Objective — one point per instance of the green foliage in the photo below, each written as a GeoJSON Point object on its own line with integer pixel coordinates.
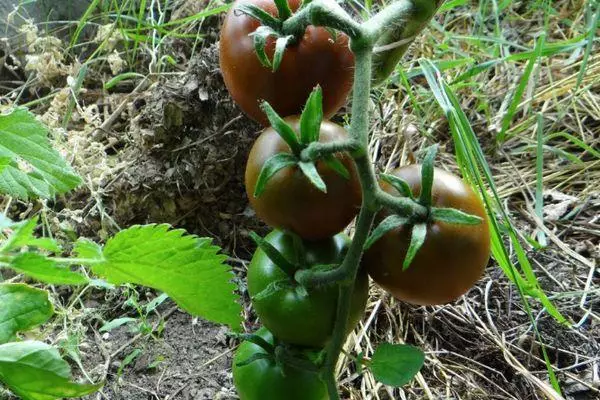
{"type": "Point", "coordinates": [23, 308]}
{"type": "Point", "coordinates": [29, 166]}
{"type": "Point", "coordinates": [396, 364]}
{"type": "Point", "coordinates": [35, 371]}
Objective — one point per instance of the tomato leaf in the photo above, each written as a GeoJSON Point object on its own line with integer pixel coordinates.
{"type": "Point", "coordinates": [427, 176]}
{"type": "Point", "coordinates": [312, 115]}
{"type": "Point", "coordinates": [270, 168]}
{"type": "Point", "coordinates": [35, 371]}
{"type": "Point", "coordinates": [260, 36]}
{"type": "Point", "coordinates": [417, 238]}
{"type": "Point", "coordinates": [275, 255]}
{"type": "Point", "coordinates": [22, 235]}
{"type": "Point", "coordinates": [399, 184]}
{"type": "Point", "coordinates": [259, 14]}
{"type": "Point", "coordinates": [396, 364]}
{"type": "Point", "coordinates": [45, 270]}
{"type": "Point", "coordinates": [189, 269]}
{"type": "Point", "coordinates": [280, 46]}
{"type": "Point", "coordinates": [23, 308]}
{"type": "Point", "coordinates": [310, 171]}
{"type": "Point", "coordinates": [390, 223]}
{"type": "Point", "coordinates": [454, 216]}
{"type": "Point", "coordinates": [29, 166]}
{"type": "Point", "coordinates": [282, 128]}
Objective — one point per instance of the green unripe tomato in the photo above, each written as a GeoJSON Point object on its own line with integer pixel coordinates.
{"type": "Point", "coordinates": [296, 315]}
{"type": "Point", "coordinates": [264, 380]}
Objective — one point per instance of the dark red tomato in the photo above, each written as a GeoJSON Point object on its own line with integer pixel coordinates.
{"type": "Point", "coordinates": [265, 380]}
{"type": "Point", "coordinates": [293, 314]}
{"type": "Point", "coordinates": [452, 258]}
{"type": "Point", "coordinates": [315, 59]}
{"type": "Point", "coordinates": [290, 201]}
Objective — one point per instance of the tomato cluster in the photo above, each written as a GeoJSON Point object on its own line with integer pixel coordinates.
{"type": "Point", "coordinates": [308, 202]}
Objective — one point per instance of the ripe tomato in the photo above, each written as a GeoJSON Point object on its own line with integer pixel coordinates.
{"type": "Point", "coordinates": [293, 314]}
{"type": "Point", "coordinates": [452, 258]}
{"type": "Point", "coordinates": [264, 380]}
{"type": "Point", "coordinates": [290, 201]}
{"type": "Point", "coordinates": [315, 59]}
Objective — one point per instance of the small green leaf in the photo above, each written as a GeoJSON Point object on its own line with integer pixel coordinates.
{"type": "Point", "coordinates": [454, 216]}
{"type": "Point", "coordinates": [35, 168]}
{"type": "Point", "coordinates": [399, 184]}
{"type": "Point", "coordinates": [259, 14]}
{"type": "Point", "coordinates": [128, 360]}
{"type": "Point", "coordinates": [270, 168]}
{"type": "Point", "coordinates": [282, 128]}
{"type": "Point", "coordinates": [396, 364]}
{"type": "Point", "coordinates": [260, 36]}
{"type": "Point", "coordinates": [310, 171]}
{"type": "Point", "coordinates": [335, 164]}
{"type": "Point", "coordinates": [23, 308]}
{"type": "Point", "coordinates": [189, 269]}
{"type": "Point", "coordinates": [427, 176]}
{"type": "Point", "coordinates": [312, 116]}
{"type": "Point", "coordinates": [417, 238]}
{"type": "Point", "coordinates": [115, 323]}
{"type": "Point", "coordinates": [274, 255]}
{"type": "Point", "coordinates": [390, 223]}
{"type": "Point", "coordinates": [280, 46]}
{"type": "Point", "coordinates": [22, 236]}
{"type": "Point", "coordinates": [45, 270]}
{"type": "Point", "coordinates": [35, 371]}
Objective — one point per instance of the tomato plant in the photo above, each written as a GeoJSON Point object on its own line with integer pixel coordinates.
{"type": "Point", "coordinates": [452, 257]}
{"type": "Point", "coordinates": [264, 379]}
{"type": "Point", "coordinates": [314, 58]}
{"type": "Point", "coordinates": [290, 201]}
{"type": "Point", "coordinates": [294, 314]}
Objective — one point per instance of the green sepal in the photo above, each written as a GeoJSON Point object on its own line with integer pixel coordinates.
{"type": "Point", "coordinates": [270, 168]}
{"type": "Point", "coordinates": [280, 46]}
{"type": "Point", "coordinates": [388, 224]}
{"type": "Point", "coordinates": [272, 288]}
{"type": "Point", "coordinates": [282, 128]}
{"type": "Point", "coordinates": [259, 14]}
{"type": "Point", "coordinates": [427, 176]}
{"type": "Point", "coordinates": [283, 9]}
{"type": "Point", "coordinates": [399, 184]}
{"type": "Point", "coordinates": [417, 238]}
{"type": "Point", "coordinates": [312, 116]}
{"type": "Point", "coordinates": [454, 216]}
{"type": "Point", "coordinates": [275, 255]}
{"type": "Point", "coordinates": [260, 36]}
{"type": "Point", "coordinates": [335, 164]}
{"type": "Point", "coordinates": [255, 357]}
{"type": "Point", "coordinates": [310, 171]}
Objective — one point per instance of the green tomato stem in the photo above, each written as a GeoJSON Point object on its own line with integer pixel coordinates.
{"type": "Point", "coordinates": [318, 150]}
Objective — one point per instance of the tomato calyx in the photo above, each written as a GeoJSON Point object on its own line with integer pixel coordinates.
{"type": "Point", "coordinates": [310, 126]}
{"type": "Point", "coordinates": [418, 223]}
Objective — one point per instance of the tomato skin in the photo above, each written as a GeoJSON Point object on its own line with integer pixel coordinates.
{"type": "Point", "coordinates": [316, 59]}
{"type": "Point", "coordinates": [290, 201]}
{"type": "Point", "coordinates": [452, 258]}
{"type": "Point", "coordinates": [292, 316]}
{"type": "Point", "coordinates": [264, 380]}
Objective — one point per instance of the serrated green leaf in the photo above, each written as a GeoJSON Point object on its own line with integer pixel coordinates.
{"type": "Point", "coordinates": [23, 308]}
{"type": "Point", "coordinates": [270, 168]}
{"type": "Point", "coordinates": [22, 236]}
{"type": "Point", "coordinates": [280, 46]}
{"type": "Point", "coordinates": [189, 269]}
{"type": "Point", "coordinates": [312, 116]}
{"type": "Point", "coordinates": [282, 128]}
{"type": "Point", "coordinates": [335, 164]}
{"type": "Point", "coordinates": [388, 224]}
{"type": "Point", "coordinates": [396, 364]}
{"type": "Point", "coordinates": [454, 216]}
{"type": "Point", "coordinates": [45, 270]}
{"type": "Point", "coordinates": [87, 249]}
{"type": "Point", "coordinates": [35, 371]}
{"type": "Point", "coordinates": [427, 176]}
{"type": "Point", "coordinates": [399, 184]}
{"type": "Point", "coordinates": [35, 168]}
{"type": "Point", "coordinates": [417, 238]}
{"type": "Point", "coordinates": [310, 171]}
